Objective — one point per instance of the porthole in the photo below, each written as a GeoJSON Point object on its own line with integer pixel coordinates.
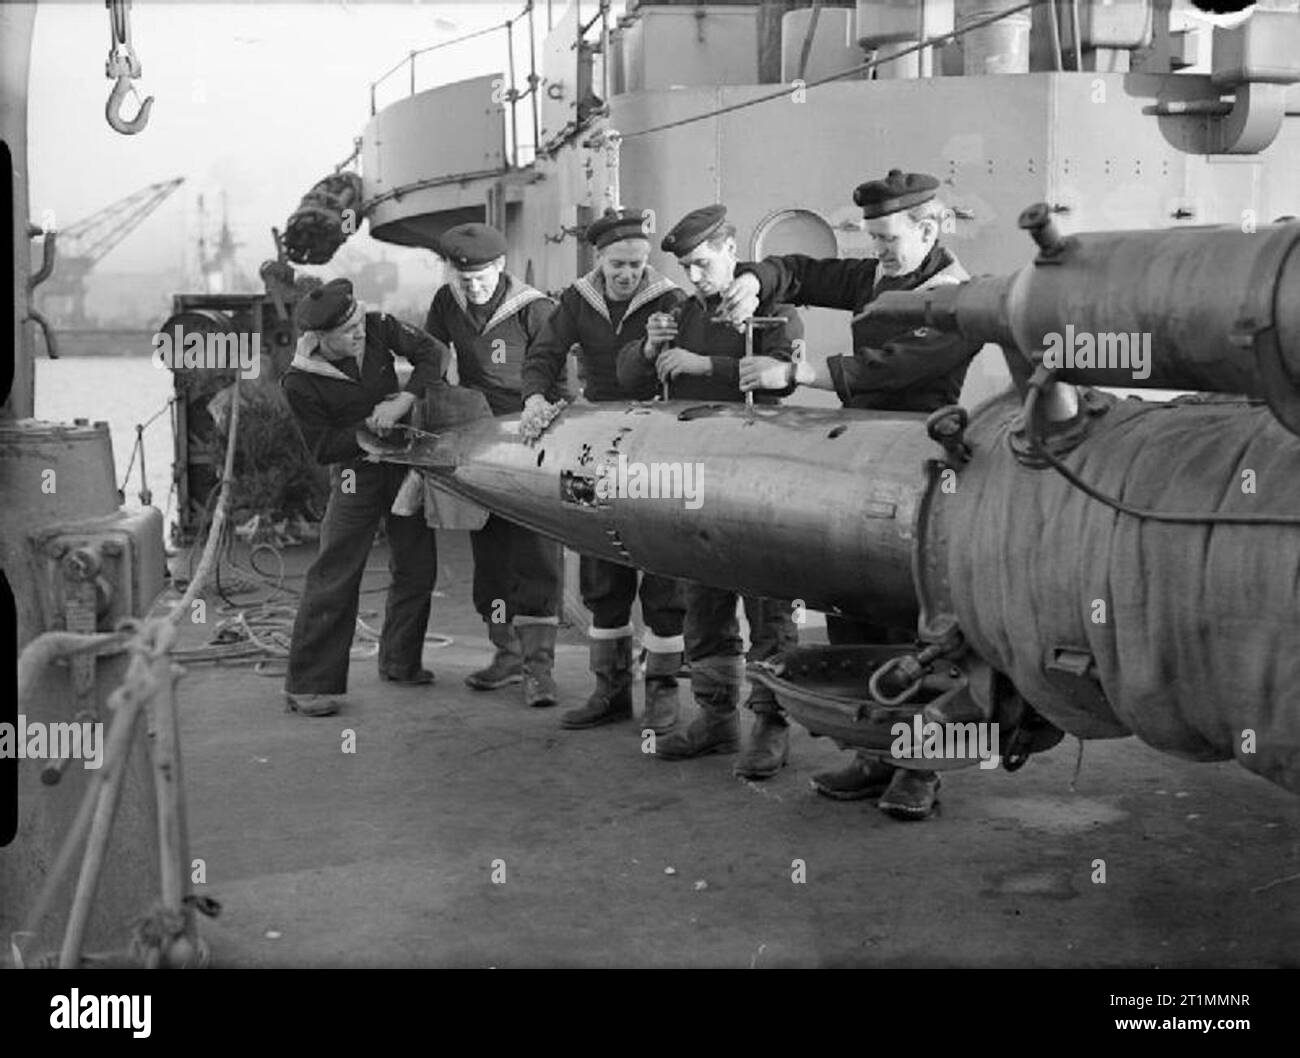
{"type": "Point", "coordinates": [794, 231]}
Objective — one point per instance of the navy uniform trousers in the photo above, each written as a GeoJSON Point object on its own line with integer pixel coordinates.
{"type": "Point", "coordinates": [713, 631]}
{"type": "Point", "coordinates": [608, 591]}
{"type": "Point", "coordinates": [327, 613]}
{"type": "Point", "coordinates": [515, 568]}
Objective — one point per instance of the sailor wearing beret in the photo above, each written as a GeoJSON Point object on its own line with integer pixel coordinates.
{"type": "Point", "coordinates": [599, 313]}
{"type": "Point", "coordinates": [887, 370]}
{"type": "Point", "coordinates": [342, 378]}
{"type": "Point", "coordinates": [491, 319]}
{"type": "Point", "coordinates": [912, 370]}
{"type": "Point", "coordinates": [698, 358]}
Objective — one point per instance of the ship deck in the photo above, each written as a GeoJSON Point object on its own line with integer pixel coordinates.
{"type": "Point", "coordinates": [386, 856]}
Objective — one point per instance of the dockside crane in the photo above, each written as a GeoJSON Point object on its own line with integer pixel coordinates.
{"type": "Point", "coordinates": [84, 244]}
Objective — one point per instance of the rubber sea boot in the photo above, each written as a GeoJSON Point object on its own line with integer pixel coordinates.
{"type": "Point", "coordinates": [611, 701]}
{"type": "Point", "coordinates": [537, 638]}
{"type": "Point", "coordinates": [507, 664]}
{"type": "Point", "coordinates": [769, 739]}
{"type": "Point", "coordinates": [864, 777]}
{"type": "Point", "coordinates": [662, 705]}
{"type": "Point", "coordinates": [716, 729]}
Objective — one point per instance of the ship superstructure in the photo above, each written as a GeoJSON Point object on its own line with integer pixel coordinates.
{"type": "Point", "coordinates": [1119, 115]}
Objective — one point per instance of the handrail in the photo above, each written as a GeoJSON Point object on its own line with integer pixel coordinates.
{"type": "Point", "coordinates": [413, 55]}
{"type": "Point", "coordinates": [512, 95]}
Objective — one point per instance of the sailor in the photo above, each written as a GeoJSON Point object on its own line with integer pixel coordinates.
{"type": "Point", "coordinates": [599, 313]}
{"type": "Point", "coordinates": [342, 378]}
{"type": "Point", "coordinates": [917, 370]}
{"type": "Point", "coordinates": [491, 318]}
{"type": "Point", "coordinates": [698, 358]}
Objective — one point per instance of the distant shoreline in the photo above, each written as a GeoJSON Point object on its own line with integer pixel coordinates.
{"type": "Point", "coordinates": [105, 341]}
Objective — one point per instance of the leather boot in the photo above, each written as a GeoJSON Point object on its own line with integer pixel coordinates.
{"type": "Point", "coordinates": [769, 740]}
{"type": "Point", "coordinates": [716, 729]}
{"type": "Point", "coordinates": [313, 704]}
{"type": "Point", "coordinates": [662, 706]}
{"type": "Point", "coordinates": [538, 642]}
{"type": "Point", "coordinates": [611, 701]}
{"type": "Point", "coordinates": [507, 665]}
{"type": "Point", "coordinates": [912, 794]}
{"type": "Point", "coordinates": [420, 678]}
{"type": "Point", "coordinates": [865, 777]}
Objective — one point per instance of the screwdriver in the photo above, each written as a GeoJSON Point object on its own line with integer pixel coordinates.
{"type": "Point", "coordinates": [676, 314]}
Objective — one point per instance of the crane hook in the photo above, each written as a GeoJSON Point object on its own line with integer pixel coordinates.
{"type": "Point", "coordinates": [125, 66]}
{"type": "Point", "coordinates": [112, 109]}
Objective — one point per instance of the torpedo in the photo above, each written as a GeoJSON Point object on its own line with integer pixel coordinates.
{"type": "Point", "coordinates": [813, 504]}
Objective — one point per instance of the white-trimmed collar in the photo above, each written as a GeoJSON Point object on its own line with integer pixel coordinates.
{"type": "Point", "coordinates": [592, 289]}
{"type": "Point", "coordinates": [517, 295]}
{"type": "Point", "coordinates": [307, 356]}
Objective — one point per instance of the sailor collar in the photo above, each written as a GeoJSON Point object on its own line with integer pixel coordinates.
{"type": "Point", "coordinates": [949, 272]}
{"type": "Point", "coordinates": [517, 295]}
{"type": "Point", "coordinates": [592, 289]}
{"type": "Point", "coordinates": [307, 357]}
{"type": "Point", "coordinates": [314, 364]}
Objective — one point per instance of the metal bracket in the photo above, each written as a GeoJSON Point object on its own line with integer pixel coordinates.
{"type": "Point", "coordinates": [83, 593]}
{"type": "Point", "coordinates": [566, 230]}
{"type": "Point", "coordinates": [1052, 245]}
{"type": "Point", "coordinates": [1256, 328]}
{"type": "Point", "coordinates": [947, 427]}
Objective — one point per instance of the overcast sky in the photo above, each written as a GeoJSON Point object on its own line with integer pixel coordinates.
{"type": "Point", "coordinates": [260, 100]}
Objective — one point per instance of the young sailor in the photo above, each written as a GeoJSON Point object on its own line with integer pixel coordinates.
{"type": "Point", "coordinates": [342, 378]}
{"type": "Point", "coordinates": [491, 319]}
{"type": "Point", "coordinates": [599, 313]}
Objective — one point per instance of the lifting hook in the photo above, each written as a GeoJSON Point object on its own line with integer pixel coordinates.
{"type": "Point", "coordinates": [124, 66]}
{"type": "Point", "coordinates": [114, 105]}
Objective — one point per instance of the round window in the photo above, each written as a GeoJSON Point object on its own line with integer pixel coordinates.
{"type": "Point", "coordinates": [794, 231]}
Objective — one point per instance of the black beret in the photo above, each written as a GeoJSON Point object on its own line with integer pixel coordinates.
{"type": "Point", "coordinates": [325, 307]}
{"type": "Point", "coordinates": [897, 192]}
{"type": "Point", "coordinates": [471, 245]}
{"type": "Point", "coordinates": [616, 225]}
{"type": "Point", "coordinates": [693, 229]}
